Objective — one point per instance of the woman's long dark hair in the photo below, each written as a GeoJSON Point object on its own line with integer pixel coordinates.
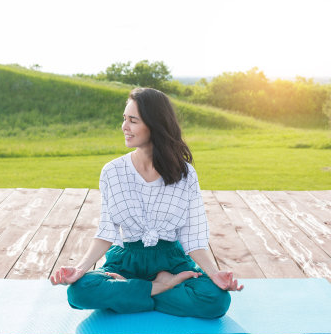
{"type": "Point", "coordinates": [169, 150]}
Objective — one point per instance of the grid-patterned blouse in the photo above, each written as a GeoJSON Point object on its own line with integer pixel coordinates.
{"type": "Point", "coordinates": [133, 209]}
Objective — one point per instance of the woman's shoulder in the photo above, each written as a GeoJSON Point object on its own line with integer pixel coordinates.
{"type": "Point", "coordinates": [192, 180]}
{"type": "Point", "coordinates": [192, 176]}
{"type": "Point", "coordinates": [114, 164]}
{"type": "Point", "coordinates": [191, 170]}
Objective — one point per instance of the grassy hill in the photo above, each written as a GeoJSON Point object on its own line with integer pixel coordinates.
{"type": "Point", "coordinates": [58, 131]}
{"type": "Point", "coordinates": [29, 98]}
{"type": "Point", "coordinates": [35, 99]}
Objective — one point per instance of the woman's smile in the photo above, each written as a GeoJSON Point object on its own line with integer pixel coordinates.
{"type": "Point", "coordinates": [132, 122]}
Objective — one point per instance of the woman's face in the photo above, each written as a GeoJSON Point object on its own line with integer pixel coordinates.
{"type": "Point", "coordinates": [136, 132]}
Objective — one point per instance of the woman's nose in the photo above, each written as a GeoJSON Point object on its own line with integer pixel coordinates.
{"type": "Point", "coordinates": [125, 125]}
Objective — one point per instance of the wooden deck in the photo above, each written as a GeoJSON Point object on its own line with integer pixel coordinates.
{"type": "Point", "coordinates": [255, 234]}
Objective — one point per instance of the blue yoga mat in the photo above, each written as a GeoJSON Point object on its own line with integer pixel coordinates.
{"type": "Point", "coordinates": [265, 306]}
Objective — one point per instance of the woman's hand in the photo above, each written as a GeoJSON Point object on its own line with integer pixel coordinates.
{"type": "Point", "coordinates": [224, 280]}
{"type": "Point", "coordinates": [67, 275]}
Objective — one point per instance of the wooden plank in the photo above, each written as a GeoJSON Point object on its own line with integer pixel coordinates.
{"type": "Point", "coordinates": [32, 208]}
{"type": "Point", "coordinates": [5, 192]}
{"type": "Point", "coordinates": [20, 207]}
{"type": "Point", "coordinates": [38, 258]}
{"type": "Point", "coordinates": [313, 261]}
{"type": "Point", "coordinates": [294, 206]}
{"type": "Point", "coordinates": [16, 207]}
{"type": "Point", "coordinates": [320, 200]}
{"type": "Point", "coordinates": [211, 253]}
{"type": "Point", "coordinates": [82, 232]}
{"type": "Point", "coordinates": [230, 252]}
{"type": "Point", "coordinates": [273, 260]}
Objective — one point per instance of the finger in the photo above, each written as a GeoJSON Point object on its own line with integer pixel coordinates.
{"type": "Point", "coordinates": [64, 271]}
{"type": "Point", "coordinates": [234, 285]}
{"type": "Point", "coordinates": [115, 275]}
{"type": "Point", "coordinates": [227, 281]}
{"type": "Point", "coordinates": [240, 288]}
{"type": "Point", "coordinates": [57, 276]}
{"type": "Point", "coordinates": [52, 280]}
{"type": "Point", "coordinates": [63, 276]}
{"type": "Point", "coordinates": [195, 274]}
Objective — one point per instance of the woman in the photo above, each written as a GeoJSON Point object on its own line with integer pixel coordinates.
{"type": "Point", "coordinates": [153, 226]}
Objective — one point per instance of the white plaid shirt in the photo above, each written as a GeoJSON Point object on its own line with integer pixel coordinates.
{"type": "Point", "coordinates": [133, 209]}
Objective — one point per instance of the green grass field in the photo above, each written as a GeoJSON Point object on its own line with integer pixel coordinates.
{"type": "Point", "coordinates": [270, 159]}
{"type": "Point", "coordinates": [54, 148]}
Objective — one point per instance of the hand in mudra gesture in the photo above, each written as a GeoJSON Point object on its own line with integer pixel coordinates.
{"type": "Point", "coordinates": [67, 275]}
{"type": "Point", "coordinates": [225, 281]}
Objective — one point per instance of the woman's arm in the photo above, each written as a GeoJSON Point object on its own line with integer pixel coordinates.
{"type": "Point", "coordinates": [69, 275]}
{"type": "Point", "coordinates": [222, 279]}
{"type": "Point", "coordinates": [97, 249]}
{"type": "Point", "coordinates": [202, 258]}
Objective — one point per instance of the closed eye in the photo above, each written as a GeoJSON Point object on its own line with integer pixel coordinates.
{"type": "Point", "coordinates": [131, 120]}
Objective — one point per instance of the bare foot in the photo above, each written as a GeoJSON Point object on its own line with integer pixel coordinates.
{"type": "Point", "coordinates": [165, 281]}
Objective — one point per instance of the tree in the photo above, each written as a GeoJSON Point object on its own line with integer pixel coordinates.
{"type": "Point", "coordinates": [150, 74]}
{"type": "Point", "coordinates": [143, 74]}
{"type": "Point", "coordinates": [118, 71]}
{"type": "Point", "coordinates": [35, 67]}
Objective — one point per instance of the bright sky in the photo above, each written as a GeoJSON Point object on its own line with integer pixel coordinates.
{"type": "Point", "coordinates": [192, 37]}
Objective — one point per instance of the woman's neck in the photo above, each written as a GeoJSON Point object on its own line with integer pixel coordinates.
{"type": "Point", "coordinates": [143, 159]}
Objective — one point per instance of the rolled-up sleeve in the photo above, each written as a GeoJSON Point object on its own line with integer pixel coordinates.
{"type": "Point", "coordinates": [107, 230]}
{"type": "Point", "coordinates": [195, 233]}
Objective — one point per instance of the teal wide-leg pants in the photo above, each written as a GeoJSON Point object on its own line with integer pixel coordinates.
{"type": "Point", "coordinates": [195, 297]}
